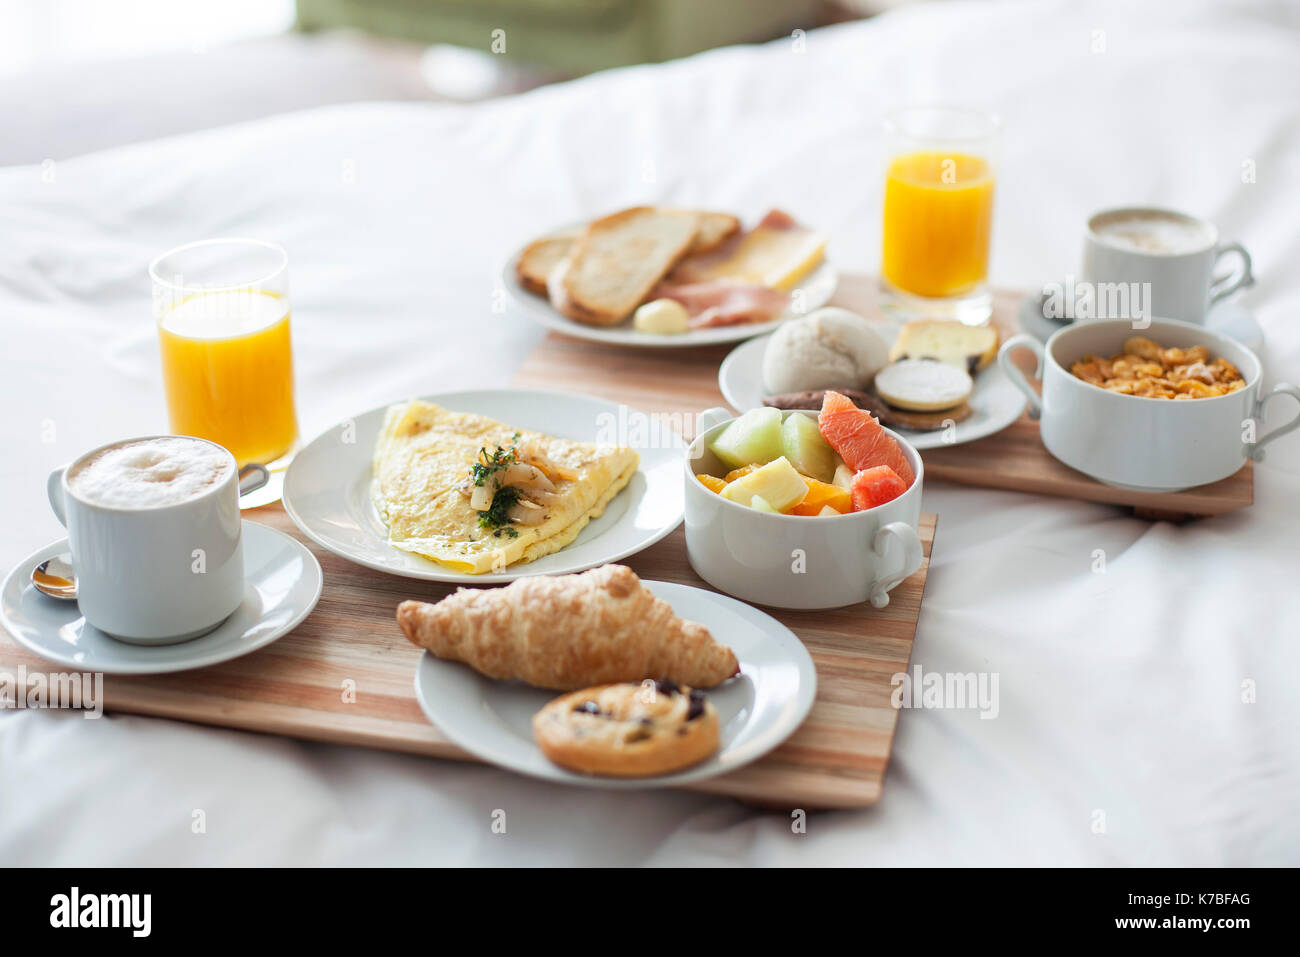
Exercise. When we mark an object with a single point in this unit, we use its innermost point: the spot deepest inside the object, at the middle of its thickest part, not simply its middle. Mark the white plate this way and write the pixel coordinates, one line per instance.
(327, 488)
(756, 711)
(995, 403)
(282, 583)
(812, 293)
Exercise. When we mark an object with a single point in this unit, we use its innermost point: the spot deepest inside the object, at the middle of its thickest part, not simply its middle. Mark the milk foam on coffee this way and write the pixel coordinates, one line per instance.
(150, 473)
(1152, 232)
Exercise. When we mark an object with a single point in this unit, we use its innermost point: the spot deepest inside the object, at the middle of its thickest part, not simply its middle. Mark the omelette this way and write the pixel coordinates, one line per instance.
(477, 496)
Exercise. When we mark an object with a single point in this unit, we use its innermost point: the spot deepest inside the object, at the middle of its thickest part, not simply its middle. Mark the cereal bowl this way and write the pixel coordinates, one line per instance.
(797, 561)
(1140, 442)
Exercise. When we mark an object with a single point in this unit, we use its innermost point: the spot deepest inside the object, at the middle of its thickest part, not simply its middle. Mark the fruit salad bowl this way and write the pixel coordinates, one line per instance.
(745, 538)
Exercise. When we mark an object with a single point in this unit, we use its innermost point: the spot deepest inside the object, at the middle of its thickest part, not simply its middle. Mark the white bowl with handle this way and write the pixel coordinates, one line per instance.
(1136, 442)
(797, 561)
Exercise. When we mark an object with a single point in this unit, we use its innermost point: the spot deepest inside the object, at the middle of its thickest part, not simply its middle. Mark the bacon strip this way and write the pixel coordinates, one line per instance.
(725, 302)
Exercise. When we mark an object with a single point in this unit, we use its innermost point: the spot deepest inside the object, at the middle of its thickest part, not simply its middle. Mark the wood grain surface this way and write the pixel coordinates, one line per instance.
(346, 675)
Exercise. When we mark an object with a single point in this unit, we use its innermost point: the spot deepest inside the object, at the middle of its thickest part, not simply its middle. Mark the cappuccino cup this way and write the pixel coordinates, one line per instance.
(154, 529)
(1169, 259)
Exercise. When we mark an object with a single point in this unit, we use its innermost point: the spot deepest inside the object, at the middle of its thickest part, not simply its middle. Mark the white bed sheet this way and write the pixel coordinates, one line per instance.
(1120, 692)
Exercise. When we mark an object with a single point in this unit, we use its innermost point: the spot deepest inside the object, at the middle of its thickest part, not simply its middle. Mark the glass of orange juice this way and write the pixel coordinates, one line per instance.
(938, 212)
(222, 309)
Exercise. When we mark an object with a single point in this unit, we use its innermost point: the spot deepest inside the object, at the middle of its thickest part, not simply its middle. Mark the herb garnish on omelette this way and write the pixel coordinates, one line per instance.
(477, 496)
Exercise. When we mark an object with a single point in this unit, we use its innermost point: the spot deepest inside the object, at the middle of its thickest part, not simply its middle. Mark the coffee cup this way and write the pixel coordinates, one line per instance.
(154, 529)
(1164, 262)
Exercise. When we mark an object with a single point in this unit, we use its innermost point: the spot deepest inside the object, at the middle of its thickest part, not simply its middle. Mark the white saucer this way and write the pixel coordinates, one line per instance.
(327, 489)
(995, 403)
(1227, 318)
(756, 710)
(813, 292)
(282, 585)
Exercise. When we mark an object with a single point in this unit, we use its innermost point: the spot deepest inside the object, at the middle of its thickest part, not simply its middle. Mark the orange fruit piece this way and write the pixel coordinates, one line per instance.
(876, 486)
(820, 495)
(861, 441)
(737, 473)
(712, 482)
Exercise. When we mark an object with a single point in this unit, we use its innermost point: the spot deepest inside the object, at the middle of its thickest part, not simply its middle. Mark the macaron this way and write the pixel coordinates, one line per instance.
(923, 385)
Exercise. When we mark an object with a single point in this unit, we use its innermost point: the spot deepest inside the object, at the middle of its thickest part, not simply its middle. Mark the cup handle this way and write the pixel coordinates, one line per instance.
(1017, 378)
(1240, 278)
(54, 490)
(1256, 450)
(703, 422)
(711, 417)
(909, 562)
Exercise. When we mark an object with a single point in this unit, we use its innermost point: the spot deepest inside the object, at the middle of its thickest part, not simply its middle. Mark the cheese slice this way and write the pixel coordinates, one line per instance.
(971, 348)
(768, 255)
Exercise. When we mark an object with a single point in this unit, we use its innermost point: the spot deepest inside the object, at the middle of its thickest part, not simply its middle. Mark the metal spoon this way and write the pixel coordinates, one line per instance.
(57, 578)
(252, 477)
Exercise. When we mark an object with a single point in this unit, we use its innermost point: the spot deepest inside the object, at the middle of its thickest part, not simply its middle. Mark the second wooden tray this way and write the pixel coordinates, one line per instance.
(1014, 459)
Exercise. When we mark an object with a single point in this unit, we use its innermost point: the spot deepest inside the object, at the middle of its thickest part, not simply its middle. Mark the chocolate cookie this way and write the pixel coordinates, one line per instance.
(812, 399)
(887, 414)
(926, 421)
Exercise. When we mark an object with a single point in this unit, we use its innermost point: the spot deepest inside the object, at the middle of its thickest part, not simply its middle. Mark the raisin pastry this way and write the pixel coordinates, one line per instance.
(628, 730)
(569, 631)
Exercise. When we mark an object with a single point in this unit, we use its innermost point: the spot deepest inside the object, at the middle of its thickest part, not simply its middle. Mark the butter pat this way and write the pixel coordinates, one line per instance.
(663, 317)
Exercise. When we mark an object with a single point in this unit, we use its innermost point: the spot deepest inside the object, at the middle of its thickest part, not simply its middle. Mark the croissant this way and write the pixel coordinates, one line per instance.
(568, 632)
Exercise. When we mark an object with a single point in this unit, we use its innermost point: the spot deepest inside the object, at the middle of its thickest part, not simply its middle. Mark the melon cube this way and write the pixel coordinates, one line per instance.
(754, 438)
(803, 445)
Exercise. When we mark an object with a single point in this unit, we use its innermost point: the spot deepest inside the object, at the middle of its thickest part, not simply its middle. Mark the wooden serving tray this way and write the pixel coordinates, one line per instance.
(1014, 459)
(346, 676)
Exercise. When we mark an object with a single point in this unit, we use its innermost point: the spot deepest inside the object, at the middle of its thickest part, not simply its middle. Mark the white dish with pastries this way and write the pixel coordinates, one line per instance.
(660, 277)
(282, 583)
(483, 487)
(947, 389)
(641, 724)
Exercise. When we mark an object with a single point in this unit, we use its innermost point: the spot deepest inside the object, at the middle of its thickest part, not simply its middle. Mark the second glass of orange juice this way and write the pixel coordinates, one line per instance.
(222, 309)
(938, 212)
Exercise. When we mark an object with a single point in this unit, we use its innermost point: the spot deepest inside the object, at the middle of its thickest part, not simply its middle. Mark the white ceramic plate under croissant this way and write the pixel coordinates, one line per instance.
(995, 402)
(327, 488)
(812, 293)
(757, 710)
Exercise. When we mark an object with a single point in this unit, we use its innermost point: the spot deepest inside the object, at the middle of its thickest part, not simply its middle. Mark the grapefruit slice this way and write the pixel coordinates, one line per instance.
(876, 486)
(861, 441)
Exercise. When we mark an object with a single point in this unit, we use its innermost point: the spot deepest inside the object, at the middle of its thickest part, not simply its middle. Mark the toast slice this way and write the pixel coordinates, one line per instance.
(618, 260)
(541, 256)
(715, 229)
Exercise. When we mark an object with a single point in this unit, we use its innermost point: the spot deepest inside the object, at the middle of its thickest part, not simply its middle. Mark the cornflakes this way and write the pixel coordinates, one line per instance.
(1146, 369)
